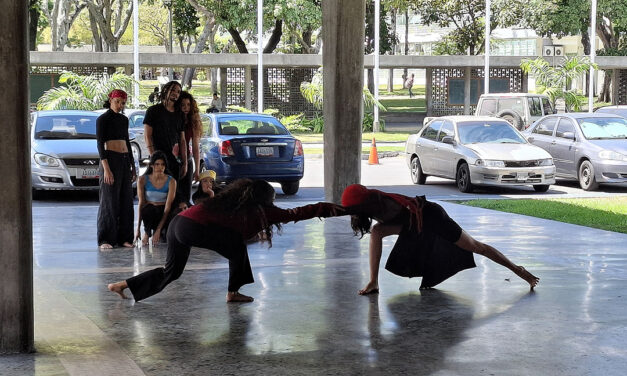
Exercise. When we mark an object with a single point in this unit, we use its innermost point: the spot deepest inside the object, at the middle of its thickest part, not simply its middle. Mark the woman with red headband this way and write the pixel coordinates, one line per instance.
(430, 244)
(117, 174)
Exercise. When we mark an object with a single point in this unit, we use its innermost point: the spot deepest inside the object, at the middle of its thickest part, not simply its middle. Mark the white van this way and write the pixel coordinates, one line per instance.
(520, 109)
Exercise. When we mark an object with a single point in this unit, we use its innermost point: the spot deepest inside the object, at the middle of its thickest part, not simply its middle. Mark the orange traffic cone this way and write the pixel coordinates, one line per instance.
(373, 158)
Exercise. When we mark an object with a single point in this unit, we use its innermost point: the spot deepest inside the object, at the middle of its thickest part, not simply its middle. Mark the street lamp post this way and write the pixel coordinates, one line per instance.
(168, 4)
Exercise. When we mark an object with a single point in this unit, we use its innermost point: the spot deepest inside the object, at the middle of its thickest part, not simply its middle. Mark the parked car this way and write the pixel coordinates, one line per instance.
(520, 109)
(64, 154)
(477, 151)
(256, 146)
(620, 110)
(136, 127)
(591, 148)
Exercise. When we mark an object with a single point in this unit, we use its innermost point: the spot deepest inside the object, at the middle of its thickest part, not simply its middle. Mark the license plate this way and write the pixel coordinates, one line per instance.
(265, 151)
(87, 173)
(522, 176)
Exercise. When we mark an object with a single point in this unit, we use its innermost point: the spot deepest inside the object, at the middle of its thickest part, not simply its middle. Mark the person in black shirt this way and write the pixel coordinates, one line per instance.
(117, 174)
(163, 130)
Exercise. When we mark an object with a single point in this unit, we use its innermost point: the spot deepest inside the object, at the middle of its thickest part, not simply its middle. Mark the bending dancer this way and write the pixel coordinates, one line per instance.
(430, 244)
(223, 224)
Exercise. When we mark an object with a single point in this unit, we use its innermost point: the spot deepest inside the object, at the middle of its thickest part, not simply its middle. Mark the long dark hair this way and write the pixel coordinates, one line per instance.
(243, 194)
(361, 224)
(192, 119)
(165, 91)
(155, 157)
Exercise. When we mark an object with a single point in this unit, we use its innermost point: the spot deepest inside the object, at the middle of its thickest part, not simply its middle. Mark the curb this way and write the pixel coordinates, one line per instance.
(364, 157)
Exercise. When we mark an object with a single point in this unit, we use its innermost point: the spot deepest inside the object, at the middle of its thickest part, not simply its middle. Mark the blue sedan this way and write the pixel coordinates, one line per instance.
(257, 146)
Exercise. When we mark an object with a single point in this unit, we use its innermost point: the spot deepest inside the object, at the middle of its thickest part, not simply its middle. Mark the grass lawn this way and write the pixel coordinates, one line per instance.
(603, 213)
(317, 138)
(400, 90)
(417, 104)
(365, 150)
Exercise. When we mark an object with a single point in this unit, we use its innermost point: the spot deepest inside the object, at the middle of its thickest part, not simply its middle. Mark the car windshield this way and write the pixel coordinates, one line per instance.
(603, 128)
(497, 132)
(66, 127)
(265, 126)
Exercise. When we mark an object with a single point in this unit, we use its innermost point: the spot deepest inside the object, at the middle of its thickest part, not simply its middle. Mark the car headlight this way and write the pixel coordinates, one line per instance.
(545, 162)
(612, 155)
(489, 163)
(46, 160)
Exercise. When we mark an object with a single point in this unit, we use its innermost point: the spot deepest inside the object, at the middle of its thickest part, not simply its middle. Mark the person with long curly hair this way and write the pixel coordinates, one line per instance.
(243, 210)
(163, 129)
(430, 244)
(193, 130)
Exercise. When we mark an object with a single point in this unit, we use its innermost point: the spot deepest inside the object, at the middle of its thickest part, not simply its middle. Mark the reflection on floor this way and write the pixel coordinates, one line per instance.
(308, 319)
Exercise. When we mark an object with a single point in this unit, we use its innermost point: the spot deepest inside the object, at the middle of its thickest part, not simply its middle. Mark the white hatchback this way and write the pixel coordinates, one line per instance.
(477, 150)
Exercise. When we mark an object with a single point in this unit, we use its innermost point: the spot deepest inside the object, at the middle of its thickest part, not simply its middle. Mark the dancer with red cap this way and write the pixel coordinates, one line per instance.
(117, 174)
(430, 244)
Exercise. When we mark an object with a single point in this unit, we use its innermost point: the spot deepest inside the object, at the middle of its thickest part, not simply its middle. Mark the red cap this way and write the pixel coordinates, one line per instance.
(355, 194)
(117, 93)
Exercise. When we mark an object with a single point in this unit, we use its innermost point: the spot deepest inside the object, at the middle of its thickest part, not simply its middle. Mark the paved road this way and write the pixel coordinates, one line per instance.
(391, 174)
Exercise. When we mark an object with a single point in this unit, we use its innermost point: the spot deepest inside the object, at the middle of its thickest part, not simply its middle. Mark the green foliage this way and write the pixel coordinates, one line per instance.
(368, 123)
(466, 17)
(387, 37)
(315, 124)
(83, 92)
(294, 123)
(185, 19)
(313, 91)
(554, 80)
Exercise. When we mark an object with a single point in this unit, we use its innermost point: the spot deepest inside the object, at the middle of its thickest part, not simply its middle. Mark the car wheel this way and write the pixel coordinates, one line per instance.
(417, 176)
(541, 187)
(137, 152)
(512, 117)
(290, 187)
(587, 181)
(463, 179)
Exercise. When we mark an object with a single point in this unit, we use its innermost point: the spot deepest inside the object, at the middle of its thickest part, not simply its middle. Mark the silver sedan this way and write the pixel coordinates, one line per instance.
(477, 150)
(590, 148)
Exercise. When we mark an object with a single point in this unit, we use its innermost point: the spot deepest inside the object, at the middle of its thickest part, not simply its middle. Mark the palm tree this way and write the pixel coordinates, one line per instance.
(83, 92)
(555, 81)
(312, 91)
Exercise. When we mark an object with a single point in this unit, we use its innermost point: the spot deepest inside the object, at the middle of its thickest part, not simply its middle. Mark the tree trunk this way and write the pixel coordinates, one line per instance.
(275, 38)
(371, 80)
(585, 42)
(33, 20)
(237, 39)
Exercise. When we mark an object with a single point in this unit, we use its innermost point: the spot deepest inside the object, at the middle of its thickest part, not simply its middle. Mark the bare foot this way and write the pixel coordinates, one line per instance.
(371, 288)
(233, 297)
(118, 288)
(530, 278)
(128, 245)
(145, 239)
(106, 246)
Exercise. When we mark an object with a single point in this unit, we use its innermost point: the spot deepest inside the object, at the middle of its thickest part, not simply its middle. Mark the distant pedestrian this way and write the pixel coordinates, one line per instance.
(117, 174)
(154, 96)
(216, 104)
(409, 83)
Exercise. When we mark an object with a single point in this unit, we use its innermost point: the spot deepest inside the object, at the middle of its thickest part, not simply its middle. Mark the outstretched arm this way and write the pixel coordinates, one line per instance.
(321, 210)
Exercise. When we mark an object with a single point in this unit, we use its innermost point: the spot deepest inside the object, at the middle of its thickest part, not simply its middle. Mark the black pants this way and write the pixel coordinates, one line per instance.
(184, 185)
(151, 216)
(115, 214)
(183, 234)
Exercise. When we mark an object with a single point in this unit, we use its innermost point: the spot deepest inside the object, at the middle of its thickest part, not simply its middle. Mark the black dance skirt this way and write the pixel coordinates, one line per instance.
(429, 256)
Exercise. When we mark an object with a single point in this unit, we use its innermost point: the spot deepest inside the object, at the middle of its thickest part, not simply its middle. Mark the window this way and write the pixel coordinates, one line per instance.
(547, 106)
(137, 121)
(488, 107)
(564, 126)
(206, 125)
(431, 132)
(515, 104)
(446, 130)
(546, 126)
(535, 109)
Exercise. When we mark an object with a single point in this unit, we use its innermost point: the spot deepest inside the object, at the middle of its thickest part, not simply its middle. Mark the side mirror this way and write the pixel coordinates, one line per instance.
(448, 140)
(569, 135)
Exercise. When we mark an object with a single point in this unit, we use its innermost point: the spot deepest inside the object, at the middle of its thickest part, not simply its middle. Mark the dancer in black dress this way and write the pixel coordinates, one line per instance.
(430, 244)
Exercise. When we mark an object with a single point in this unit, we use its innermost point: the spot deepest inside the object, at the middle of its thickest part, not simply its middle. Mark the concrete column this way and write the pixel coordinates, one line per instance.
(391, 80)
(343, 62)
(615, 84)
(16, 244)
(223, 84)
(467, 73)
(525, 82)
(428, 91)
(247, 88)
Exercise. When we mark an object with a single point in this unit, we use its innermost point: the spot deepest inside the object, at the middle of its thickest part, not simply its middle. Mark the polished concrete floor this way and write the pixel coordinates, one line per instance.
(307, 318)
